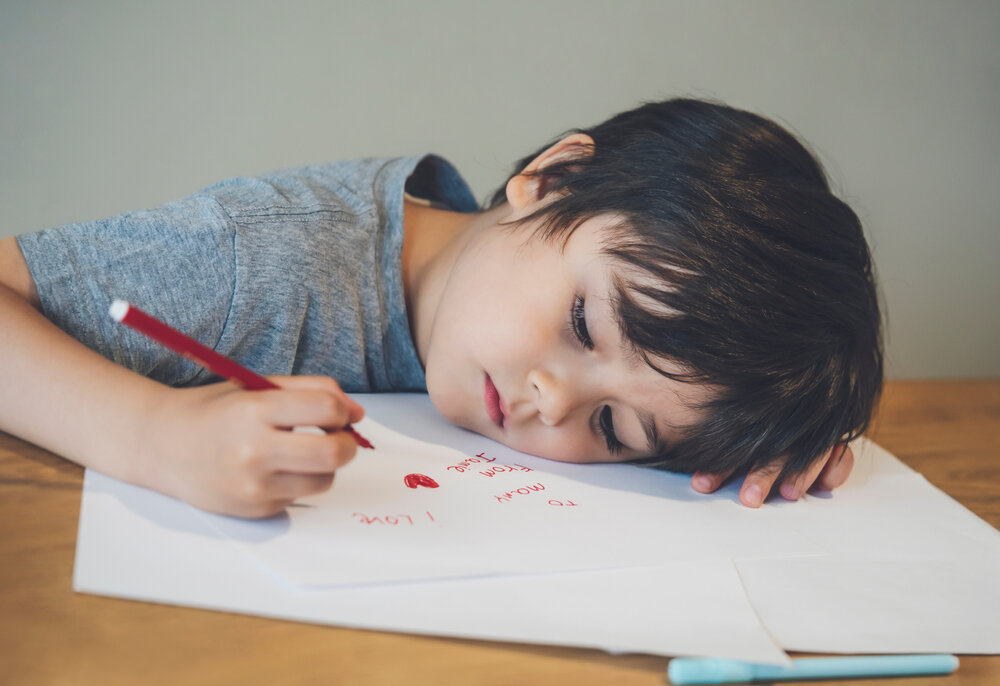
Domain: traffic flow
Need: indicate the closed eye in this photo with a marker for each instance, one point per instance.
(606, 427)
(578, 322)
(605, 420)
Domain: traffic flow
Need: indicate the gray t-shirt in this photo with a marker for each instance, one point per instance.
(296, 272)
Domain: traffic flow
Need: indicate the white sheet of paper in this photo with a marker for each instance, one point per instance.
(907, 567)
(493, 512)
(889, 564)
(137, 544)
(886, 510)
(943, 605)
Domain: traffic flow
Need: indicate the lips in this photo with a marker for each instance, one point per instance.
(493, 403)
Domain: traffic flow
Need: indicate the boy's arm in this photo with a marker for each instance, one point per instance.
(217, 447)
(826, 474)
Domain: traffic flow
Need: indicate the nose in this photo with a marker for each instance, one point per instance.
(553, 398)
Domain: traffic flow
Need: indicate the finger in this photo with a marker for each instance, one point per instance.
(794, 488)
(709, 482)
(290, 486)
(757, 485)
(325, 384)
(305, 407)
(252, 510)
(837, 469)
(309, 453)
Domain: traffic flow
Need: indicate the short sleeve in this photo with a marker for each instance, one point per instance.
(175, 262)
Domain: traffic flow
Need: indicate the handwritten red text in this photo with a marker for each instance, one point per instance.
(525, 490)
(393, 520)
(468, 462)
(500, 468)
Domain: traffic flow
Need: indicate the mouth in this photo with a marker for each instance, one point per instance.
(493, 402)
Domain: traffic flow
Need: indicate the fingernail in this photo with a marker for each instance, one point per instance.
(753, 496)
(789, 492)
(703, 484)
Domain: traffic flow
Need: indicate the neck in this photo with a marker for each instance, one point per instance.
(432, 241)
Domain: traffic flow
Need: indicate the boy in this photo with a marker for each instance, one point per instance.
(675, 287)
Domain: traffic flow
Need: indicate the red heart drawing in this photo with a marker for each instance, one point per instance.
(414, 480)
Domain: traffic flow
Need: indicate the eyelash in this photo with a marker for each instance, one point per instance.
(605, 421)
(578, 322)
(607, 428)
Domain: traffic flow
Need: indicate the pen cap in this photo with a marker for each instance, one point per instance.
(722, 671)
(709, 670)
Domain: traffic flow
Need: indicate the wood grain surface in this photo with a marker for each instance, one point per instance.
(947, 430)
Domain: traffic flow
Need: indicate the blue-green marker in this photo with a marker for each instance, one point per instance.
(684, 670)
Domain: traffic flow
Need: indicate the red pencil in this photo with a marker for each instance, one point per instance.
(149, 325)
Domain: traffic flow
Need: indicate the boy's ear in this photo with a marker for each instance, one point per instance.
(527, 188)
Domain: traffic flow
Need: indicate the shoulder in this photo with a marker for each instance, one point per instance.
(352, 187)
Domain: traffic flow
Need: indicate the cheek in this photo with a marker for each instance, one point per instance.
(461, 350)
(564, 445)
(447, 403)
(497, 327)
(449, 384)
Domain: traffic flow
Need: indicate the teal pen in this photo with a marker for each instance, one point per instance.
(684, 670)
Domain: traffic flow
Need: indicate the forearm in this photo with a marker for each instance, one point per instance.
(60, 395)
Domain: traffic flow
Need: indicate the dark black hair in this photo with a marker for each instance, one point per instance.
(762, 283)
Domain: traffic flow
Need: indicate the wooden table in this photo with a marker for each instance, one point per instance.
(948, 430)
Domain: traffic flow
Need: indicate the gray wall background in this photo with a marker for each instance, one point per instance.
(109, 106)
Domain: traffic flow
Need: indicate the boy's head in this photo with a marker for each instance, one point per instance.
(738, 273)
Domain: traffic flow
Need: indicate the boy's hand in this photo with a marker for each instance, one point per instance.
(826, 474)
(231, 451)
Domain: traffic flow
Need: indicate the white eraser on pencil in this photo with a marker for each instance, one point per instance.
(119, 308)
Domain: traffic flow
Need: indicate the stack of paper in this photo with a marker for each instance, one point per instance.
(442, 531)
